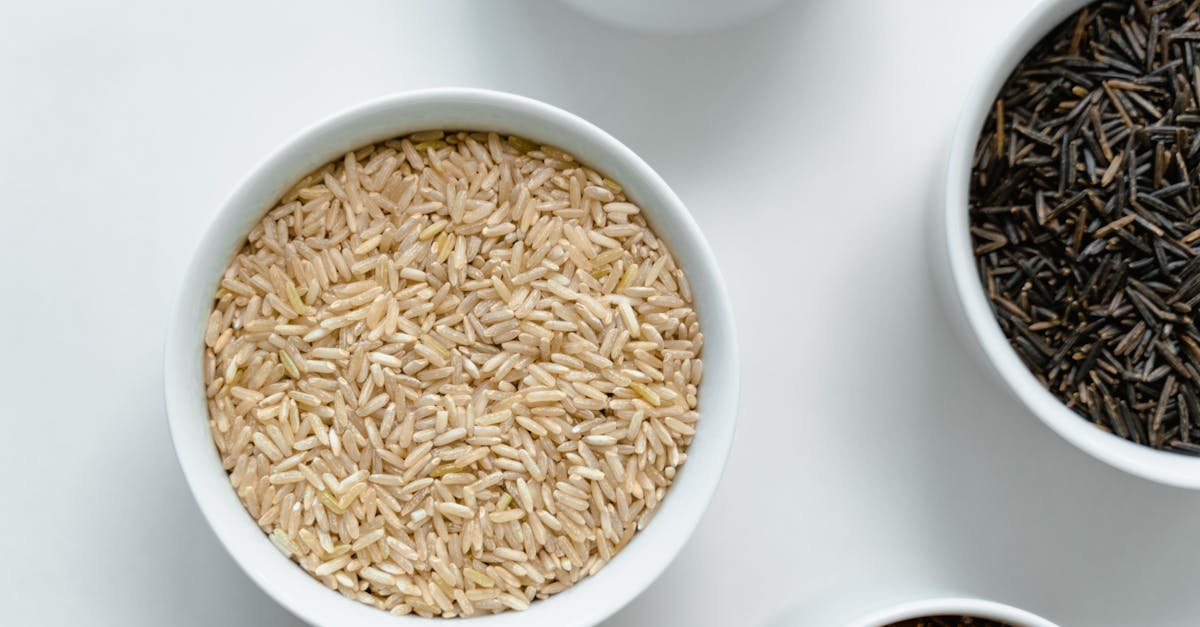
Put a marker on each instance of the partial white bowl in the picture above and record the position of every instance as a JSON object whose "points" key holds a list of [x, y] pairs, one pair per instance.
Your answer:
{"points": [[645, 557], [951, 606], [674, 16], [954, 263]]}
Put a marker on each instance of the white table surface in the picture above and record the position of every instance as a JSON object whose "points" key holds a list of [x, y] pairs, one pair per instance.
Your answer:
{"points": [[874, 460]]}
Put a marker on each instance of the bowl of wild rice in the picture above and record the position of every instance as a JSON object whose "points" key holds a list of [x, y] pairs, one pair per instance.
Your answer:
{"points": [[1069, 233], [453, 353], [951, 612]]}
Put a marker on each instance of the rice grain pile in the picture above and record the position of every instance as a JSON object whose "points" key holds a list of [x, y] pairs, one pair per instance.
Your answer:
{"points": [[450, 374]]}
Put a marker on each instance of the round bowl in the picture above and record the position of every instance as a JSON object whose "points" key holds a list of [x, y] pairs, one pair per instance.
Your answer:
{"points": [[968, 303], [645, 557], [952, 606]]}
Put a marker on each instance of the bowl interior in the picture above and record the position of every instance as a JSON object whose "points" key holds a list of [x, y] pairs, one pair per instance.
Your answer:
{"points": [[651, 549], [1165, 467]]}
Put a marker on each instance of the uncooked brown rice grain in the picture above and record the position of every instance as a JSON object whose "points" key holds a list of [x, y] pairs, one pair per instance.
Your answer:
{"points": [[452, 373]]}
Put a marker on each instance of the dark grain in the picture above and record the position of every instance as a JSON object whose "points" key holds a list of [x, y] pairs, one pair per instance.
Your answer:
{"points": [[1084, 217]]}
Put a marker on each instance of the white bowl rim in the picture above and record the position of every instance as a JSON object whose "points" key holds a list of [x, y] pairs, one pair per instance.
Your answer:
{"points": [[651, 550], [1164, 467], [961, 606]]}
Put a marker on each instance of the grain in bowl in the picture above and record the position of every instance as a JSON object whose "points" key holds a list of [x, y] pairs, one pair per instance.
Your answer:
{"points": [[451, 374], [1083, 219]]}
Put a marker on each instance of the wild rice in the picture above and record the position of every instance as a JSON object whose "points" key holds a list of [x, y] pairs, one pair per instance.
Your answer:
{"points": [[450, 374]]}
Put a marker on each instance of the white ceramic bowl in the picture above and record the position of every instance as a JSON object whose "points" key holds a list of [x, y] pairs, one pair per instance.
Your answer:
{"points": [[952, 606], [968, 303], [645, 557]]}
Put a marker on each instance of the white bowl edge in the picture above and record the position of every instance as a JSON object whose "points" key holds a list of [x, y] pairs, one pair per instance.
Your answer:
{"points": [[651, 550], [951, 606]]}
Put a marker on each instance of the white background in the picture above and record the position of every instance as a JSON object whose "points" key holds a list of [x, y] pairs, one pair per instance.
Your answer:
{"points": [[874, 460]]}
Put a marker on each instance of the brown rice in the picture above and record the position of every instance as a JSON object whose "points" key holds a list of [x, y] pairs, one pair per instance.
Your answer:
{"points": [[450, 374]]}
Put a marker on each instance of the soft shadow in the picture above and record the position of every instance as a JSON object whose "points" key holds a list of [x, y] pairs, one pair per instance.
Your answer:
{"points": [[685, 103], [1008, 506], [949, 486]]}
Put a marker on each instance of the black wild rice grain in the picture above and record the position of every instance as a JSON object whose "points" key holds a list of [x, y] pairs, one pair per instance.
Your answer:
{"points": [[1084, 217]]}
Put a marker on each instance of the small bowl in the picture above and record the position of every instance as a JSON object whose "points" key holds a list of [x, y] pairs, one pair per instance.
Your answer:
{"points": [[645, 557], [951, 606], [954, 262]]}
